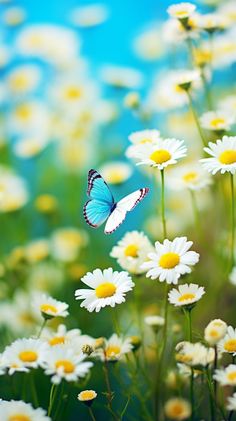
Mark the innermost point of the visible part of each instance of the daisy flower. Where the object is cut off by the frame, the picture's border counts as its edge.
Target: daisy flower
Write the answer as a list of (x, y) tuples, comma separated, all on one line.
[(121, 77), (23, 354), (87, 396), (171, 260), (27, 147), (108, 288), (231, 406), (142, 137), (61, 336), (215, 331), (181, 10), (194, 355), (223, 156), (89, 16), (177, 409), (217, 120), (62, 363), (19, 410), (226, 376), (186, 295), (155, 322), (50, 307), (114, 348), (189, 176), (131, 251), (116, 172), (23, 79), (161, 154), (228, 343)]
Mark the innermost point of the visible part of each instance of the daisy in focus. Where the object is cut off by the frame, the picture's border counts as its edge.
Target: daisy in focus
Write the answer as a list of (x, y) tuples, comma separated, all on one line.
[(108, 288), (132, 250), (223, 156), (24, 354), (186, 295), (171, 260), (50, 307), (142, 137), (62, 363), (161, 154)]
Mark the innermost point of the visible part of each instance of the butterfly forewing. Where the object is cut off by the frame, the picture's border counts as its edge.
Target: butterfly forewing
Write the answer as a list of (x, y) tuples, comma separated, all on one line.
[(98, 188)]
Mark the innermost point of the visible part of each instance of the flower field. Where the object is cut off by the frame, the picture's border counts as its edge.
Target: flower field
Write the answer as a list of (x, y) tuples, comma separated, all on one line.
[(117, 211)]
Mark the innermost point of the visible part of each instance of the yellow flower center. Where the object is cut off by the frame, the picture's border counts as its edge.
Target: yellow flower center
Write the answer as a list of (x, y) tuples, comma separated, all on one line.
[(213, 333), (87, 395), (57, 340), (230, 345), (169, 260), (177, 409), (160, 156), (105, 290), (19, 82), (115, 176), (131, 250), (184, 358), (68, 366), (217, 122), (228, 157), (232, 376), (145, 140), (23, 111), (181, 13), (190, 176), (185, 297), (112, 350), (73, 92), (45, 308), (19, 417), (28, 356)]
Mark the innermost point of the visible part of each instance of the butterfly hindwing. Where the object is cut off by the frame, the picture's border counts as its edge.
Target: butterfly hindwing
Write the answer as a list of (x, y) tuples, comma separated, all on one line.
[(96, 212), (125, 205), (98, 188)]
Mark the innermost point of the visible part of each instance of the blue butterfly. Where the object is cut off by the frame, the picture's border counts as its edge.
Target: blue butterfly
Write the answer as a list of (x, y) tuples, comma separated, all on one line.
[(102, 207)]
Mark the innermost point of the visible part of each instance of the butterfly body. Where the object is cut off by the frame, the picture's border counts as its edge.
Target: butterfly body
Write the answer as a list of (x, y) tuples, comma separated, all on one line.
[(102, 207)]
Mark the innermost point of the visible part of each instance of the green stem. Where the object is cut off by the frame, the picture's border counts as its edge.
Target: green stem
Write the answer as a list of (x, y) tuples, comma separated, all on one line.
[(215, 367), (41, 328), (207, 90), (195, 116), (108, 386), (211, 395), (230, 415), (51, 398), (91, 414), (195, 211), (232, 221), (163, 204), (33, 390), (188, 313)]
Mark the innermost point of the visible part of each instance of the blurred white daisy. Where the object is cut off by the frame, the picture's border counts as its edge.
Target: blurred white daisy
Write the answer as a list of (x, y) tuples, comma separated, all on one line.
[(108, 288), (215, 331), (223, 156), (177, 409), (13, 190), (171, 260), (62, 363), (226, 376), (186, 295), (50, 307), (181, 10), (212, 22), (132, 250), (154, 321), (89, 16), (28, 147), (23, 79), (114, 348), (37, 250), (61, 336), (190, 176), (228, 104), (21, 411), (14, 16), (121, 77), (66, 243), (28, 117), (194, 354), (24, 354), (161, 154), (231, 406), (217, 120), (142, 137), (232, 276), (148, 45), (228, 343), (116, 172)]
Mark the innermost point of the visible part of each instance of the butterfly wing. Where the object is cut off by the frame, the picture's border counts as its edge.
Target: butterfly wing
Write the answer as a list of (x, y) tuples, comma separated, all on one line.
[(98, 188), (125, 205), (100, 203)]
